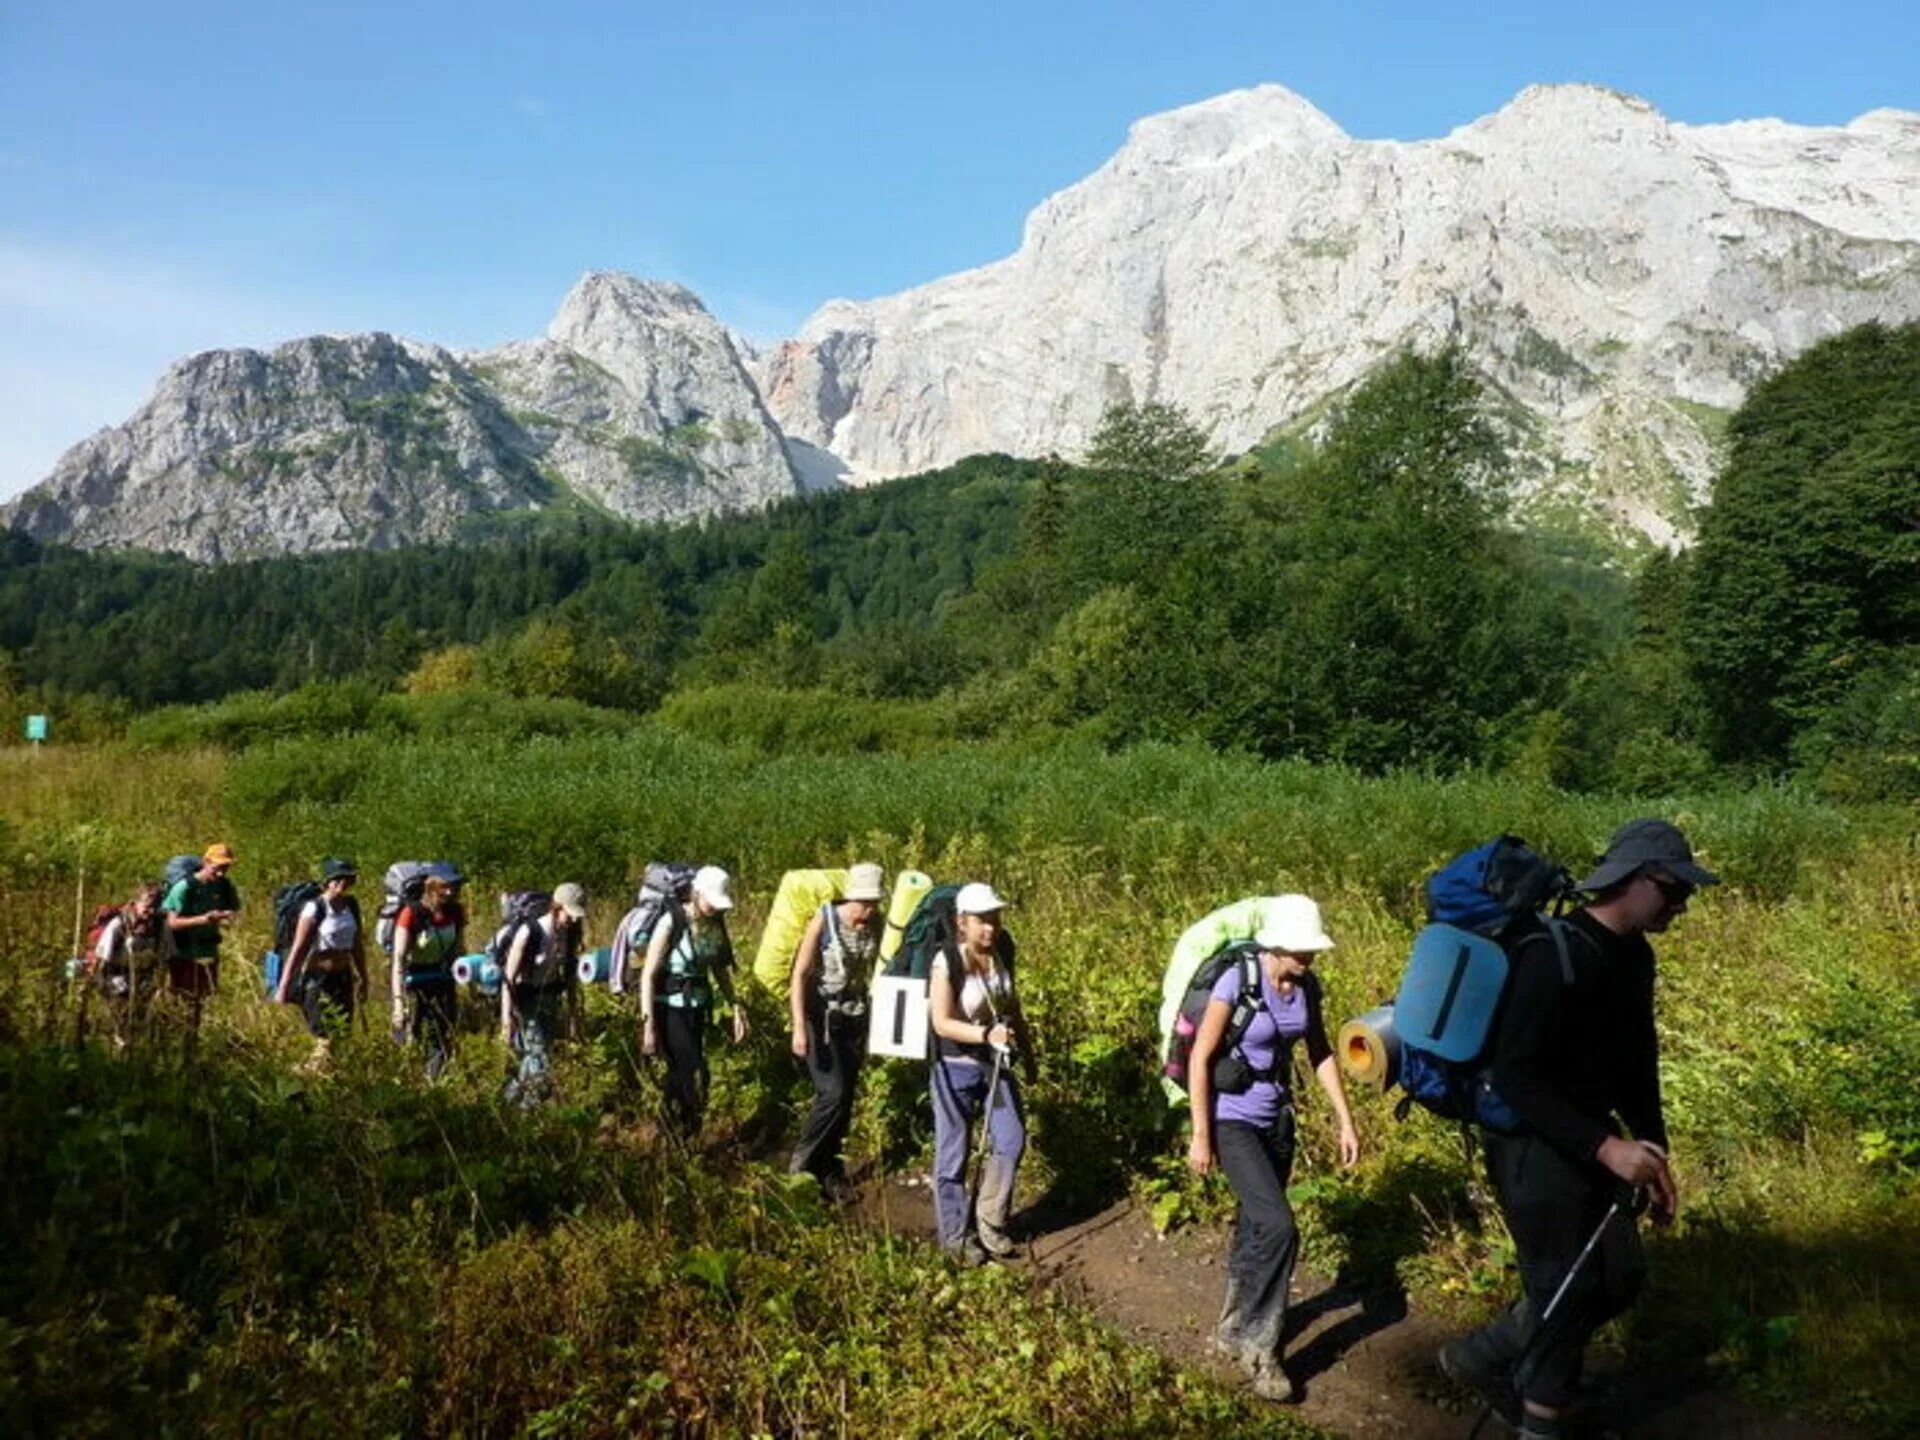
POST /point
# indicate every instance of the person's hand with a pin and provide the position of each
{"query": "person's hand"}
(649, 1042)
(1643, 1165)
(739, 1025)
(1349, 1144)
(1200, 1154)
(998, 1035)
(800, 1041)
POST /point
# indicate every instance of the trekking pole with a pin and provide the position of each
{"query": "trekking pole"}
(984, 1149)
(1632, 1202)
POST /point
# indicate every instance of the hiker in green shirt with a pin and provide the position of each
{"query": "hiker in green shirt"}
(195, 909)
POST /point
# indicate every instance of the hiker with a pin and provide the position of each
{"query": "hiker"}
(688, 958)
(1250, 1133)
(126, 959)
(827, 997)
(538, 986)
(196, 906)
(325, 970)
(1576, 1057)
(427, 936)
(978, 1028)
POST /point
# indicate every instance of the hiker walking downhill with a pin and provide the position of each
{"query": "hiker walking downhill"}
(978, 1030)
(126, 960)
(1249, 1132)
(196, 906)
(427, 936)
(325, 971)
(689, 957)
(1576, 1056)
(827, 998)
(538, 987)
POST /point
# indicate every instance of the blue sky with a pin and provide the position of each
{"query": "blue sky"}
(178, 177)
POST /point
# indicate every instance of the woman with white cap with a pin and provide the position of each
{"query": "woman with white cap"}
(827, 1000)
(1250, 1133)
(689, 957)
(977, 1026)
(538, 986)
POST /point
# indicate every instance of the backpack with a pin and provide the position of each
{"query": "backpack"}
(1200, 944)
(402, 886)
(663, 882)
(103, 916)
(179, 868)
(795, 903)
(899, 1021)
(1443, 1016)
(1232, 1075)
(519, 909)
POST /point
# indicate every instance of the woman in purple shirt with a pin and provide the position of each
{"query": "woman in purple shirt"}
(1249, 1134)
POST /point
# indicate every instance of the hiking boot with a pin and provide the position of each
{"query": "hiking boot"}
(970, 1254)
(999, 1244)
(1462, 1363)
(1226, 1338)
(1270, 1382)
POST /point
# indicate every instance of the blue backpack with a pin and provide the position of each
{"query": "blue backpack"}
(1457, 972)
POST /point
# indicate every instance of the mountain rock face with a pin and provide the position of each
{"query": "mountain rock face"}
(1621, 278)
(636, 403)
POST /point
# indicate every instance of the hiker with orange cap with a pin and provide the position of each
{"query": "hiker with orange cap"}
(196, 906)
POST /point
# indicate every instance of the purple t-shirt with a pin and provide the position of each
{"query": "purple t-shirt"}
(1265, 1046)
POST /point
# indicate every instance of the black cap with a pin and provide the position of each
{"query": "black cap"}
(1642, 845)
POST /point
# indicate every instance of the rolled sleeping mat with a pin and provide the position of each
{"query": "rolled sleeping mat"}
(801, 893)
(1369, 1050)
(479, 972)
(595, 966)
(909, 887)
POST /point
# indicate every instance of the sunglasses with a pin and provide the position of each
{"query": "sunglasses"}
(1674, 892)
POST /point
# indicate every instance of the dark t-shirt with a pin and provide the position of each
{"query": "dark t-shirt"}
(1569, 1058)
(194, 896)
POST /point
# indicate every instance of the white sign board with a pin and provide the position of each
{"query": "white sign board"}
(898, 1018)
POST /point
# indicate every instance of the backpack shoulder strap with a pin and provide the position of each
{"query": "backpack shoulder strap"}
(1559, 930)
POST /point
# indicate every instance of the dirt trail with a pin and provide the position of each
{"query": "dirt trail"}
(1363, 1361)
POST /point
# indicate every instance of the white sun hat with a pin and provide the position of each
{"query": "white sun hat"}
(1293, 925)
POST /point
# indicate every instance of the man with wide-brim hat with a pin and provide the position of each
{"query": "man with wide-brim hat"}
(1575, 1054)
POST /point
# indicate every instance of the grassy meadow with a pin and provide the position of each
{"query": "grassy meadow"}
(237, 1245)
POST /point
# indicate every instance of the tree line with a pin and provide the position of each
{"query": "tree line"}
(1366, 598)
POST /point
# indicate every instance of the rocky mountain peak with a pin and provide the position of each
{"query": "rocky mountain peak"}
(1226, 128)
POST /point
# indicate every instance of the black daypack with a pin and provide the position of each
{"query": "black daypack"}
(1232, 1074)
(288, 901)
(520, 910)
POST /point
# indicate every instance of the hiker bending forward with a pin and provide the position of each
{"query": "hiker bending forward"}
(1576, 1057)
(539, 990)
(827, 999)
(977, 1026)
(1250, 1133)
(688, 957)
(326, 966)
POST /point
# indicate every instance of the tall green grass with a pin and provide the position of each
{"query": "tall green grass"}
(1788, 1004)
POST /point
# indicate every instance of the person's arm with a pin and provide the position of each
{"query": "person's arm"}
(296, 955)
(510, 972)
(664, 933)
(1327, 1071)
(109, 942)
(1023, 1037)
(402, 942)
(804, 961)
(1206, 1044)
(723, 982)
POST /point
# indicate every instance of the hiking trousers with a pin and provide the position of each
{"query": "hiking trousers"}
(959, 1096)
(836, 1049)
(537, 1014)
(326, 1000)
(434, 1005)
(1265, 1242)
(683, 1040)
(1552, 1206)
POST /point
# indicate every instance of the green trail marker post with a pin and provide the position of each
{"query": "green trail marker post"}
(37, 730)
